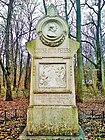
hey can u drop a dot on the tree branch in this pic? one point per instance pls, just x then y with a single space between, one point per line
71 7
90 7
23 34
103 5
4 2
88 36
89 60
103 34
89 23
73 36
1 16
88 43
93 20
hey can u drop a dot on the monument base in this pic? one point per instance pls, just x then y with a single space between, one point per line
52 120
81 136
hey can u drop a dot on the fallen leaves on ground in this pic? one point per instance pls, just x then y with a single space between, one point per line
12 129
15 122
92 119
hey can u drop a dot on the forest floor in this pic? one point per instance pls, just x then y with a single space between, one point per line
92 117
13 118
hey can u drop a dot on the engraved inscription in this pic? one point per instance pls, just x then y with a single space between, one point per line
53 50
53 99
52 75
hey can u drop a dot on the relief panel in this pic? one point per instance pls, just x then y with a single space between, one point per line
52 75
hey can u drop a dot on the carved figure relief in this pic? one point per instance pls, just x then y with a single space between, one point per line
52 30
52 75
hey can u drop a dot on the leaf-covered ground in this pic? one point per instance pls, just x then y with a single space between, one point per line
92 118
13 118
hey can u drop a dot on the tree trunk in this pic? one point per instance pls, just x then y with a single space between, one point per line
21 70
8 96
27 80
8 89
16 54
7 76
3 73
66 15
98 43
102 66
79 54
27 74
45 8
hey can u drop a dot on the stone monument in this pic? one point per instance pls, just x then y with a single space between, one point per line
52 110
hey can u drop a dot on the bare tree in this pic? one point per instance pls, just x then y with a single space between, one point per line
7 69
79 53
94 37
31 18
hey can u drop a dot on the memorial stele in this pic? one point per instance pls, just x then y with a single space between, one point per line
52 110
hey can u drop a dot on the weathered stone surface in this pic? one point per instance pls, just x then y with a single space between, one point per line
54 99
66 50
52 75
49 77
80 136
52 120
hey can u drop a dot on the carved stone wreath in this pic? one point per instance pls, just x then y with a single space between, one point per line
51 43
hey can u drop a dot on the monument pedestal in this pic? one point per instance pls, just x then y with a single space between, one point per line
52 120
52 111
80 136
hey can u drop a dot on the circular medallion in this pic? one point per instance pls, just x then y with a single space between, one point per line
52 32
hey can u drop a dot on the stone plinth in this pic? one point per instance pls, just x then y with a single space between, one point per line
52 120
81 136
